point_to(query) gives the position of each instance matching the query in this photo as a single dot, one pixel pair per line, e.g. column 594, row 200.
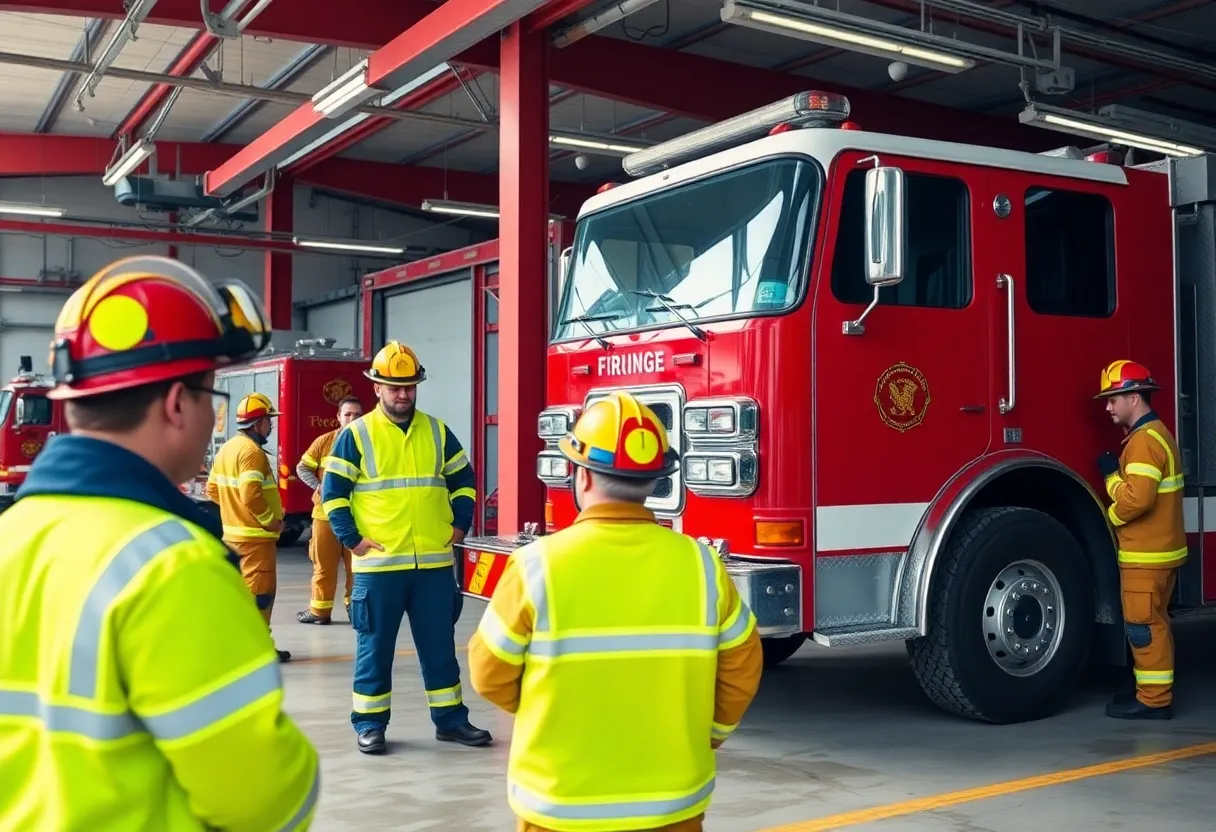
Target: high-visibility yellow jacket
column 626, row 654
column 1146, row 494
column 311, row 469
column 245, row 488
column 121, row 707
column 399, row 485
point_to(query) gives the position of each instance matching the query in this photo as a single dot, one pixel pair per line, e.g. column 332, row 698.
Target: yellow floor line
column 351, row 658
column 941, row 801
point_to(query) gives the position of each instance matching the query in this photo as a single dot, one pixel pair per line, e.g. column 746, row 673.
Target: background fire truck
column 27, row 420
column 877, row 357
column 305, row 384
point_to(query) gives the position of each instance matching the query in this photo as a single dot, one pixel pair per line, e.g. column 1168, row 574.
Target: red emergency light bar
column 805, row 109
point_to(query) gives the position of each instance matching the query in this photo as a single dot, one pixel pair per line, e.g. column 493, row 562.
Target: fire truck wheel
column 777, row 650
column 1010, row 618
column 291, row 533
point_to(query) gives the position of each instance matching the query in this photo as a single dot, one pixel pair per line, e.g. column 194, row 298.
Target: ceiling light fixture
column 342, row 245
column 1101, row 126
column 31, row 210
column 132, row 159
column 346, row 92
column 460, row 209
column 591, row 143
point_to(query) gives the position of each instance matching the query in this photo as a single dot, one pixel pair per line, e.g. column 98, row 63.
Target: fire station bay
column 607, row 415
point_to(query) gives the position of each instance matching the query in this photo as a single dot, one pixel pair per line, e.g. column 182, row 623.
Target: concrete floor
column 831, row 733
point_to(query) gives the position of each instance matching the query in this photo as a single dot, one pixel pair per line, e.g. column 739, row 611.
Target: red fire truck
column 27, row 420
column 305, row 384
column 877, row 357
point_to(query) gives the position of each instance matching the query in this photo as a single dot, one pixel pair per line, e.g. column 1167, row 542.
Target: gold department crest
column 31, row 447
column 902, row 397
column 336, row 390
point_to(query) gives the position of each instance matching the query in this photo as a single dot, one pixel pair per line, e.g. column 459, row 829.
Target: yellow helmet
column 1125, row 376
column 620, row 436
column 253, row 407
column 396, row 365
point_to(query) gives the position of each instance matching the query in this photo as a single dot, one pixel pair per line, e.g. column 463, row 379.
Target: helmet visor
column 245, row 312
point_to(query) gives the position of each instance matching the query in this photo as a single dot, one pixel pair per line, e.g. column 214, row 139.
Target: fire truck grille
column 662, row 488
column 664, row 412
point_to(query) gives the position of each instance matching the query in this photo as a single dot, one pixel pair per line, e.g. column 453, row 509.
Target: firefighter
column 1145, row 486
column 654, row 642
column 324, row 550
column 399, row 492
column 244, row 486
column 120, row 706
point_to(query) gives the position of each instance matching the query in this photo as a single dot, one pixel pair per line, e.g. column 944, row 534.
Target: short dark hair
column 122, row 411
column 1146, row 396
column 350, row 400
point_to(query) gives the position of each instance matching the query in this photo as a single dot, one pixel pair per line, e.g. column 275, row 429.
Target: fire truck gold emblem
column 902, row 397
column 30, row 447
column 337, row 390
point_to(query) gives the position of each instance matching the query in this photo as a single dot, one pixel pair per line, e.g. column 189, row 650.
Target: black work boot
column 371, row 741
column 284, row 656
column 308, row 617
column 1132, row 708
column 465, row 735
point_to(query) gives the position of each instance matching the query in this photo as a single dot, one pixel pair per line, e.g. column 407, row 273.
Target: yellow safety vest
column 617, row 698
column 400, row 499
column 110, row 717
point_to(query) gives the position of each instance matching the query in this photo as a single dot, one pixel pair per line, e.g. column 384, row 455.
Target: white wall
column 27, row 256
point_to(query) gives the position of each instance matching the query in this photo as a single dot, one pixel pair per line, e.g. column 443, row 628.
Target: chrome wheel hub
column 1023, row 618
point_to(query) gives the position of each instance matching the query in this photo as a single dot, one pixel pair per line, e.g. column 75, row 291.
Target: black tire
column 292, row 529
column 777, row 650
column 957, row 662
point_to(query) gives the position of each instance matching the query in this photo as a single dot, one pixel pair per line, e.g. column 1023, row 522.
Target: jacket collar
column 81, row 466
column 1151, row 416
column 617, row 513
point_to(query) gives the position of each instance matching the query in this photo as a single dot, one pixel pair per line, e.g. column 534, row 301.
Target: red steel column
column 276, row 292
column 523, row 229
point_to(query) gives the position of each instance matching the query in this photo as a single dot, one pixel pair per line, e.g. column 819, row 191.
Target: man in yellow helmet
column 243, row 484
column 399, row 491
column 121, row 707
column 660, row 657
column 1145, row 486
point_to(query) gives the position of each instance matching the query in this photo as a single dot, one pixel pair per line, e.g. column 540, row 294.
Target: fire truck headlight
column 721, row 420
column 711, row 470
column 722, row 471
column 553, row 470
column 549, row 425
column 696, row 419
column 696, row 470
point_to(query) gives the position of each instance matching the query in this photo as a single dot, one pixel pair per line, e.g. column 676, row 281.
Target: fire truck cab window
column 1070, row 263
column 937, row 267
column 6, row 403
column 729, row 245
column 36, row 410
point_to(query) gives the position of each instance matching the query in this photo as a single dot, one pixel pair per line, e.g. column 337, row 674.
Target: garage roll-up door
column 436, row 320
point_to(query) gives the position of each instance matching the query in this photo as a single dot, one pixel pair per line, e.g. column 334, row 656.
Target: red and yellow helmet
column 396, row 365
column 146, row 319
column 253, row 407
column 1125, row 376
column 620, row 436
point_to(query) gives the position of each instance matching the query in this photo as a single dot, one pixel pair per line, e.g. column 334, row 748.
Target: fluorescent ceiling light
column 607, row 145
column 132, row 159
column 1082, row 124
column 346, row 92
column 341, row 245
column 460, row 209
column 31, row 210
column 853, row 34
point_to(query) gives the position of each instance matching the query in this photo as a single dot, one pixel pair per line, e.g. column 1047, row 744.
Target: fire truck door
column 900, row 408
column 1047, row 249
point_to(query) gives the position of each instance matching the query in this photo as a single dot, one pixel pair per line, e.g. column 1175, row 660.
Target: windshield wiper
column 586, row 320
column 667, row 304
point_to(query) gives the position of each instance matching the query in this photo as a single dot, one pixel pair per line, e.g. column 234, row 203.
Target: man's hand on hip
column 457, row 536
column 275, row 526
column 364, row 546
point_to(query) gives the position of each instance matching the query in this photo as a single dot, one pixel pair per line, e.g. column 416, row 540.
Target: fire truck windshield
column 729, row 245
column 6, row 404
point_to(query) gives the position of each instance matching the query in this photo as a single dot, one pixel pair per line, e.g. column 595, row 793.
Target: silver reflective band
column 610, row 811
column 68, row 719
column 493, row 631
column 400, row 482
column 742, row 621
column 238, row 694
column 118, row 573
column 647, row 642
column 711, row 585
column 438, row 558
column 439, row 453
column 365, row 439
column 310, row 800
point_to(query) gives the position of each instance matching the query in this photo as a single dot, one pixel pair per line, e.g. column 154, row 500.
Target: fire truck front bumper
column 773, row 591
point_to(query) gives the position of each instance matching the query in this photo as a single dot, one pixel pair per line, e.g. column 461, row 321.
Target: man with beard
column 399, row 491
column 244, row 486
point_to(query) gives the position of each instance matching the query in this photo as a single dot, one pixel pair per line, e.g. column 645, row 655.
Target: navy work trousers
column 378, row 602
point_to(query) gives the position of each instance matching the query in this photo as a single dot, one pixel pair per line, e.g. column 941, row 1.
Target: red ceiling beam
column 24, row 154
column 437, row 37
column 187, row 61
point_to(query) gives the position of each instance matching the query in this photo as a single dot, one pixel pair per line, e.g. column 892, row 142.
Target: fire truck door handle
column 1005, row 281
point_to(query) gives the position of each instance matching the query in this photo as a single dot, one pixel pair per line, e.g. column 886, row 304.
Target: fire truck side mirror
column 884, row 226
column 20, row 413
column 563, row 267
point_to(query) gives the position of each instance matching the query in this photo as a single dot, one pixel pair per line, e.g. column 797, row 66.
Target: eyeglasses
column 200, row 389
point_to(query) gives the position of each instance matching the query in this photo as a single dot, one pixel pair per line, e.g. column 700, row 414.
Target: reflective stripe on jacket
column 399, row 496
column 313, row 463
column 633, row 652
column 1147, row 498
column 245, row 488
column 123, row 708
